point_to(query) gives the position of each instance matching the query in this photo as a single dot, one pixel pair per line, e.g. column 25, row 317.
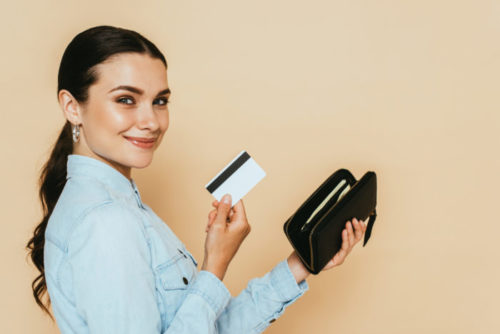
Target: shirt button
column 182, row 253
column 185, row 280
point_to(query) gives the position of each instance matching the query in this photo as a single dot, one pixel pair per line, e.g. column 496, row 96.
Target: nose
column 147, row 119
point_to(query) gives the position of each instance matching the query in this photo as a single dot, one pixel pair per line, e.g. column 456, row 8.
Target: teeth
column 141, row 142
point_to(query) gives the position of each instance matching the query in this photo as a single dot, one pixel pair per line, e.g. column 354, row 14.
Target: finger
column 338, row 258
column 215, row 203
column 358, row 229
column 223, row 210
column 212, row 214
column 229, row 216
column 333, row 261
column 211, row 217
column 342, row 253
column 345, row 244
column 345, row 241
column 239, row 210
column 350, row 233
column 239, row 219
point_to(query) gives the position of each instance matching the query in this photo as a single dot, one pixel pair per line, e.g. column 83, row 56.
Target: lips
column 142, row 142
column 141, row 139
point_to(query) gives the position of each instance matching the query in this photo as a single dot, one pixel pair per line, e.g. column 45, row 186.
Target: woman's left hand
column 349, row 239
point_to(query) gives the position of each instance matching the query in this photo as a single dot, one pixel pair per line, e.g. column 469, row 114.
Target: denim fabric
column 113, row 266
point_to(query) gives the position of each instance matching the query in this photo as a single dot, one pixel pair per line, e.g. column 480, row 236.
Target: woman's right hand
column 226, row 229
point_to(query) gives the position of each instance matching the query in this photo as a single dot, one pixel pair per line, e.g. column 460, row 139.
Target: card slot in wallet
column 336, row 194
column 315, row 229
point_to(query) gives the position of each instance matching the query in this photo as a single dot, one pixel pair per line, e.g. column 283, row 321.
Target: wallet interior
column 333, row 197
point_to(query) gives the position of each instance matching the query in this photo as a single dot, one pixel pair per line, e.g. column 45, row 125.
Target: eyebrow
column 138, row 90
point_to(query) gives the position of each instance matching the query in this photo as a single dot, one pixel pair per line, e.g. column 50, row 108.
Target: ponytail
column 52, row 181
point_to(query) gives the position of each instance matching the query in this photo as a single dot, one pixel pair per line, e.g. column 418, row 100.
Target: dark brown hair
column 77, row 73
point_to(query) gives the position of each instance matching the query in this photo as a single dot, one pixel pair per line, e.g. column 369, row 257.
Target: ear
column 70, row 107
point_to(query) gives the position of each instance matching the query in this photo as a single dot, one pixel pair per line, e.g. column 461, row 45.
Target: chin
column 141, row 160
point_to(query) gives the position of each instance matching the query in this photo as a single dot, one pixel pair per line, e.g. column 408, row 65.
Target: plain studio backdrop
column 408, row 89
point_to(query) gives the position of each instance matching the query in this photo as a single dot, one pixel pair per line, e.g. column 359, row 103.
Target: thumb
column 223, row 210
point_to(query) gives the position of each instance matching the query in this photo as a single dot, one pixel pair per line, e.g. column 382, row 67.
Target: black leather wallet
column 315, row 229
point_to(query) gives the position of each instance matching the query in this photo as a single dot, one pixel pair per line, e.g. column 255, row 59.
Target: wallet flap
column 369, row 227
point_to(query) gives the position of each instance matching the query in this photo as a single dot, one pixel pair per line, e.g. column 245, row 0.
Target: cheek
column 105, row 123
column 115, row 120
column 164, row 121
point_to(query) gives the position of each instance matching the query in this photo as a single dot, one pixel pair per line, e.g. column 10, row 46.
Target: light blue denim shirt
column 113, row 266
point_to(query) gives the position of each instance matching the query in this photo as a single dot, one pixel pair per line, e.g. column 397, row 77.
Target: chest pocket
column 175, row 275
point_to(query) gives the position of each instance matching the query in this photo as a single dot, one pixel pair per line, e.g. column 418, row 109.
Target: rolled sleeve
column 285, row 284
column 206, row 298
column 262, row 301
column 110, row 261
column 211, row 288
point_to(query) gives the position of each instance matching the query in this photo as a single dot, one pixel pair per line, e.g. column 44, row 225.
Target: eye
column 164, row 101
column 124, row 98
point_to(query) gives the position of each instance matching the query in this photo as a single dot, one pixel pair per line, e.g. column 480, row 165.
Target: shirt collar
column 90, row 167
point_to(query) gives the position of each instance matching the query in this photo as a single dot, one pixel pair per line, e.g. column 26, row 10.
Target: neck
column 124, row 170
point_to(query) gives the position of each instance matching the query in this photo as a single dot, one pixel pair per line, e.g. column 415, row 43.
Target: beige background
column 408, row 89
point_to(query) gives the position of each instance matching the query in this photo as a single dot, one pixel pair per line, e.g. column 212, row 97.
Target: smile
column 142, row 142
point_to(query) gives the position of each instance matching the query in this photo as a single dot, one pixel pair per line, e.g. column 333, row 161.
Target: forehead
column 133, row 69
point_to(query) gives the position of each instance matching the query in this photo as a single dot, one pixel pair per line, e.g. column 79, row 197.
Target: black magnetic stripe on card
column 228, row 172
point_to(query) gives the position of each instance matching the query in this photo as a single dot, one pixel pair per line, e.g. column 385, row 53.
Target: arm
column 265, row 298
column 262, row 301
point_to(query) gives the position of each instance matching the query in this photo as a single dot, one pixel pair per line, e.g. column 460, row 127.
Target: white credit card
column 237, row 178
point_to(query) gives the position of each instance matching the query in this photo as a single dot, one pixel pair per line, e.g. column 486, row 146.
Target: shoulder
column 110, row 214
column 108, row 225
column 78, row 197
column 87, row 205
column 83, row 193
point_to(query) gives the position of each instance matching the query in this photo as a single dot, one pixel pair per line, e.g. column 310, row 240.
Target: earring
column 76, row 133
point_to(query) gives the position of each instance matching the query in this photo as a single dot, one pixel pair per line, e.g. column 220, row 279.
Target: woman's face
column 129, row 100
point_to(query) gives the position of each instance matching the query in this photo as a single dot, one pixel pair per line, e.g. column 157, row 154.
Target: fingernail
column 227, row 198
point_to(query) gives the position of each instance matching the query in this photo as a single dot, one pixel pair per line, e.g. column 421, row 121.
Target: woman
column 107, row 261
